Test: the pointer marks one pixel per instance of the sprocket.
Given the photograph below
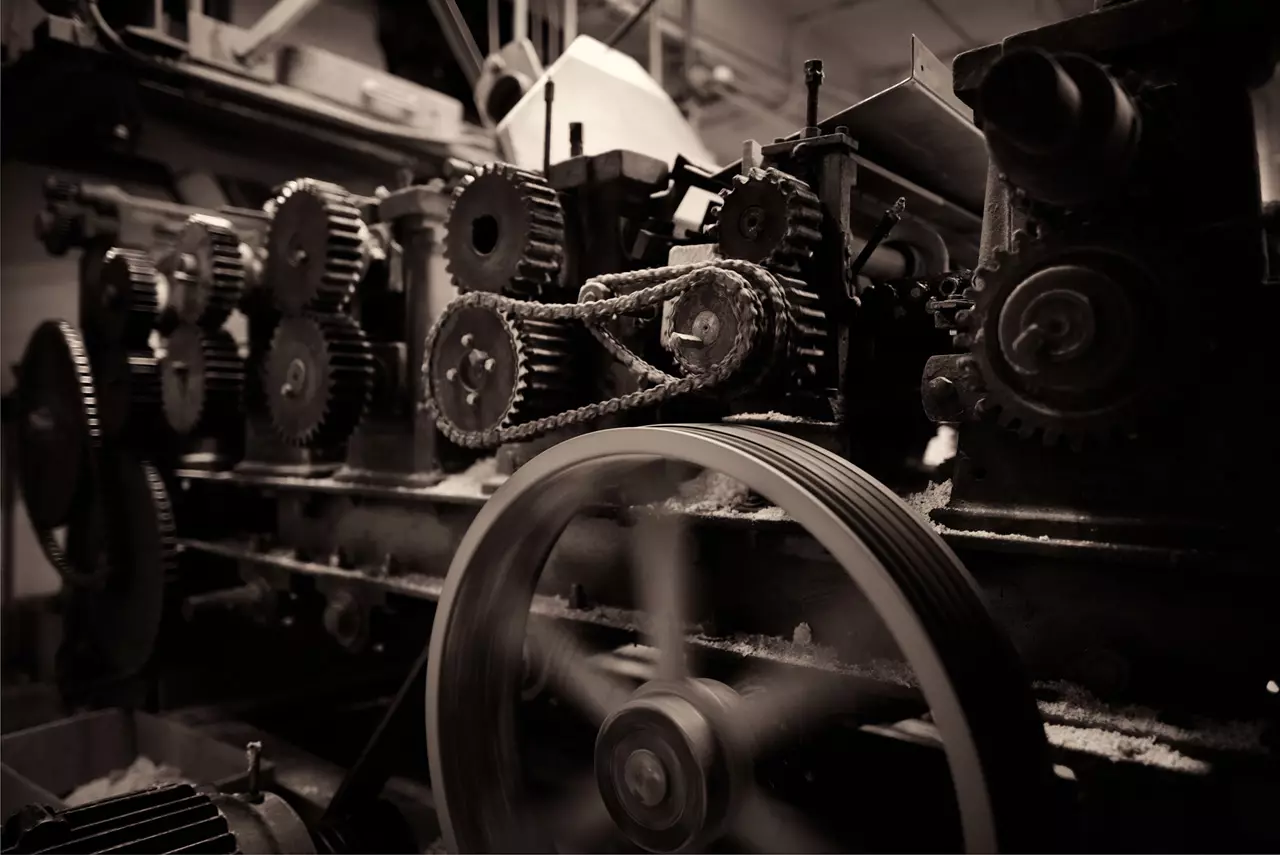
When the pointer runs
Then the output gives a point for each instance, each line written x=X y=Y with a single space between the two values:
x=488 y=369
x=202 y=379
x=1074 y=337
x=769 y=218
x=120 y=301
x=315 y=247
x=319 y=377
x=506 y=232
x=205 y=271
x=59 y=430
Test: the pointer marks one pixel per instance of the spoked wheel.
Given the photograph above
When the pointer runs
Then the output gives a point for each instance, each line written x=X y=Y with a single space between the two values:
x=674 y=759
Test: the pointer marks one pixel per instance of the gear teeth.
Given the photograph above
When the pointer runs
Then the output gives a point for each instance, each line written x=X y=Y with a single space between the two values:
x=494 y=191
x=791 y=199
x=344 y=254
x=535 y=377
x=211 y=246
x=216 y=400
x=810 y=332
x=334 y=350
x=55 y=344
x=544 y=377
x=127 y=304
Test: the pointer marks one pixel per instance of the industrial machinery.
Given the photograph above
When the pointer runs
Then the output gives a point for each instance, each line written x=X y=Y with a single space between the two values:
x=718 y=572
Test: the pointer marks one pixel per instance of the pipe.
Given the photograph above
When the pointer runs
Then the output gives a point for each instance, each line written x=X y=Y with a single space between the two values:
x=520 y=20
x=655 y=43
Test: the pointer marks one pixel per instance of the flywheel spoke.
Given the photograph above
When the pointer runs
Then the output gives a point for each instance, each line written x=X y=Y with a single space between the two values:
x=789 y=702
x=660 y=573
x=579 y=820
x=766 y=825
x=555 y=649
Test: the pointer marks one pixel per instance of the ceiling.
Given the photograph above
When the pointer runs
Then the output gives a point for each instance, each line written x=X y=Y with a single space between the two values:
x=864 y=44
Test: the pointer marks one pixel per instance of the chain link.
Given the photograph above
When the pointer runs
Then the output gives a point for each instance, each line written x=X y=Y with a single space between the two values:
x=746 y=285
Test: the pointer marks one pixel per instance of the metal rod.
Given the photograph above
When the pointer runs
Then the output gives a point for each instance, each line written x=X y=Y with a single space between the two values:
x=655 y=43
x=548 y=96
x=519 y=20
x=554 y=45
x=458 y=34
x=495 y=19
x=813 y=82
x=570 y=21
x=575 y=139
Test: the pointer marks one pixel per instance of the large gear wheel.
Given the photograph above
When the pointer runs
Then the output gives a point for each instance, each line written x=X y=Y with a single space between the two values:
x=58 y=424
x=206 y=272
x=131 y=393
x=489 y=370
x=769 y=218
x=124 y=550
x=1073 y=337
x=120 y=300
x=318 y=376
x=506 y=233
x=202 y=379
x=315 y=247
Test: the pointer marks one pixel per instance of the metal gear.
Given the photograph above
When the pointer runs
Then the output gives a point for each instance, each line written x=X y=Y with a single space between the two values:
x=319 y=376
x=489 y=369
x=202 y=379
x=58 y=423
x=206 y=272
x=315 y=252
x=124 y=551
x=770 y=218
x=1072 y=337
x=506 y=232
x=120 y=300
x=810 y=339
x=131 y=393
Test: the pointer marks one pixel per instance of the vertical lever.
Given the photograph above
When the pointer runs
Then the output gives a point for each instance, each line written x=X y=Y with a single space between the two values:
x=549 y=96
x=813 y=82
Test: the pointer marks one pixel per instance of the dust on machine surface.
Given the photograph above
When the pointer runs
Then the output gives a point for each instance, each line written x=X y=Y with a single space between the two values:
x=916 y=498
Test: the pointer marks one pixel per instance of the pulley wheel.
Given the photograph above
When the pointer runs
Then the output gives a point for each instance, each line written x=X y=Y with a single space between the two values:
x=674 y=760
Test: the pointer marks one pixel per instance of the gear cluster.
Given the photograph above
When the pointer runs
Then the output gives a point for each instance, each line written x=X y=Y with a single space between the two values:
x=506 y=233
x=769 y=218
x=317 y=368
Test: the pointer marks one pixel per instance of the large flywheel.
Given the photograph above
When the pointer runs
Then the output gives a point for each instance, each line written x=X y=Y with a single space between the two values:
x=675 y=761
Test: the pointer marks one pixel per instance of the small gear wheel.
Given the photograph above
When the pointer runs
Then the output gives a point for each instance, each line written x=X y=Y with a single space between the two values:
x=131 y=393
x=58 y=423
x=315 y=252
x=201 y=378
x=318 y=376
x=206 y=272
x=1073 y=337
x=120 y=299
x=506 y=233
x=769 y=218
x=488 y=370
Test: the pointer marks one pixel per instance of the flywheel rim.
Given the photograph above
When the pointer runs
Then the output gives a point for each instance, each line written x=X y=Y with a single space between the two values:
x=997 y=752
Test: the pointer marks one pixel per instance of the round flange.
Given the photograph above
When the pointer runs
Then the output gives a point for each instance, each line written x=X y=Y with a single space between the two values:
x=58 y=422
x=667 y=767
